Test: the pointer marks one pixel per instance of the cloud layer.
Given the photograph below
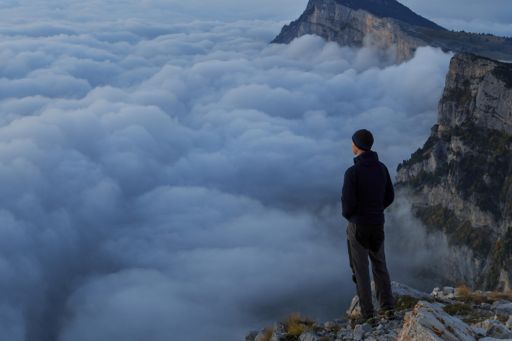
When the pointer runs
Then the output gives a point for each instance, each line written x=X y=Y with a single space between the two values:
x=181 y=180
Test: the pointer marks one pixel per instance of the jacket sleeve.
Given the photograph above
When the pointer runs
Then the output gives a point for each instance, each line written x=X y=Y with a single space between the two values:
x=389 y=194
x=348 y=194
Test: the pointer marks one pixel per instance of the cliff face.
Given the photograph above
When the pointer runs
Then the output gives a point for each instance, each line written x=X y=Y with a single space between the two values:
x=337 y=22
x=388 y=25
x=460 y=181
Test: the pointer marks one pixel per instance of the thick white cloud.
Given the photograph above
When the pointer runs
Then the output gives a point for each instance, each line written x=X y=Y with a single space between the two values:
x=181 y=179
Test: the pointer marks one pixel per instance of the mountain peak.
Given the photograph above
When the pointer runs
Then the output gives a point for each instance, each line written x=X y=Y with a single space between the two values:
x=390 y=9
x=389 y=26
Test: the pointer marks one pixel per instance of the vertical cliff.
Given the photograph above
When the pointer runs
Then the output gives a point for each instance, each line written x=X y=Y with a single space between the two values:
x=460 y=181
x=351 y=23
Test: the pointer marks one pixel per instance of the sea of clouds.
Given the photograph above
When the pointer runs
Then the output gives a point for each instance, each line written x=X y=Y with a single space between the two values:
x=164 y=177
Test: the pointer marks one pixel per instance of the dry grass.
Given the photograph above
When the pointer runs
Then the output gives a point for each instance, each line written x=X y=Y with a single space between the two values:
x=497 y=295
x=463 y=292
x=297 y=324
x=268 y=331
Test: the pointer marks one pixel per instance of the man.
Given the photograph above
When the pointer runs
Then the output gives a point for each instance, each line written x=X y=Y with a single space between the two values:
x=367 y=191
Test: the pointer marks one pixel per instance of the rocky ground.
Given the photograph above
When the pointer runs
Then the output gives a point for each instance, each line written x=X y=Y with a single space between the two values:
x=445 y=314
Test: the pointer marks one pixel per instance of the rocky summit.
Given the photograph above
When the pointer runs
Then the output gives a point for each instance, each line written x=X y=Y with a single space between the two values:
x=460 y=181
x=390 y=26
x=448 y=313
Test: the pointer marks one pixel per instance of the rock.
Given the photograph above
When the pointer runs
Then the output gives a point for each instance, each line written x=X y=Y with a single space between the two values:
x=436 y=292
x=277 y=337
x=428 y=321
x=503 y=308
x=360 y=330
x=329 y=325
x=444 y=294
x=508 y=324
x=485 y=305
x=251 y=336
x=278 y=332
x=494 y=328
x=400 y=289
x=308 y=336
x=344 y=333
x=479 y=331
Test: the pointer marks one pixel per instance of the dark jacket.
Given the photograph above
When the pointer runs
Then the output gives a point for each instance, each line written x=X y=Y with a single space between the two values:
x=367 y=190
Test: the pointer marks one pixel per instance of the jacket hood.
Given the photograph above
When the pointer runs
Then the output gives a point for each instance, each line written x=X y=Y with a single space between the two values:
x=367 y=157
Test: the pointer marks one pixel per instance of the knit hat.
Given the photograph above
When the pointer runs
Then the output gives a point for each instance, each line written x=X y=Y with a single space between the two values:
x=363 y=139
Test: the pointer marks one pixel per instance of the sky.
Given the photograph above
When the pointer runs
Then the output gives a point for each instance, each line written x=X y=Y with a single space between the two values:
x=470 y=15
x=167 y=174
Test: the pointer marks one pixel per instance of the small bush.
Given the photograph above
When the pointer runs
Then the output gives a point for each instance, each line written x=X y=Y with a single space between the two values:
x=463 y=290
x=458 y=309
x=466 y=294
x=405 y=302
x=497 y=295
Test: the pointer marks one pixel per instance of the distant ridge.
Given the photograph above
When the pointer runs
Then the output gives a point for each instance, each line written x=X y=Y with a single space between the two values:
x=390 y=26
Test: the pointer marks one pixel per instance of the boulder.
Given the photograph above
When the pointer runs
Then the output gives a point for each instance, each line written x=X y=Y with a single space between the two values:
x=494 y=328
x=360 y=330
x=503 y=307
x=309 y=336
x=429 y=322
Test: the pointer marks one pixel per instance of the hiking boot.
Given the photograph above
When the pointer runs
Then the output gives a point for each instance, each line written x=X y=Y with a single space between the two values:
x=372 y=320
x=387 y=313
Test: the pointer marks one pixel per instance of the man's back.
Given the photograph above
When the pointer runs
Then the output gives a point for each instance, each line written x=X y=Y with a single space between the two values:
x=367 y=190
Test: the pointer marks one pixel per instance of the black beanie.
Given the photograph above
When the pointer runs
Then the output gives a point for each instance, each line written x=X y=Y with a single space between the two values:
x=363 y=139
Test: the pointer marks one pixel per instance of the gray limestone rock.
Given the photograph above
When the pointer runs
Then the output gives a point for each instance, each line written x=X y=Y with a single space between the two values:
x=429 y=322
x=453 y=180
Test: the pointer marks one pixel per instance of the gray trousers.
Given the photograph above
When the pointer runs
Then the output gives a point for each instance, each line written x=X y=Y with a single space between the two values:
x=358 y=257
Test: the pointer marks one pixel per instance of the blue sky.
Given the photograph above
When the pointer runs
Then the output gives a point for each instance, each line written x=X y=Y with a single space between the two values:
x=166 y=173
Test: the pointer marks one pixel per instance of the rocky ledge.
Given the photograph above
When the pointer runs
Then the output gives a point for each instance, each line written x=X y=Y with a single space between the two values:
x=444 y=314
